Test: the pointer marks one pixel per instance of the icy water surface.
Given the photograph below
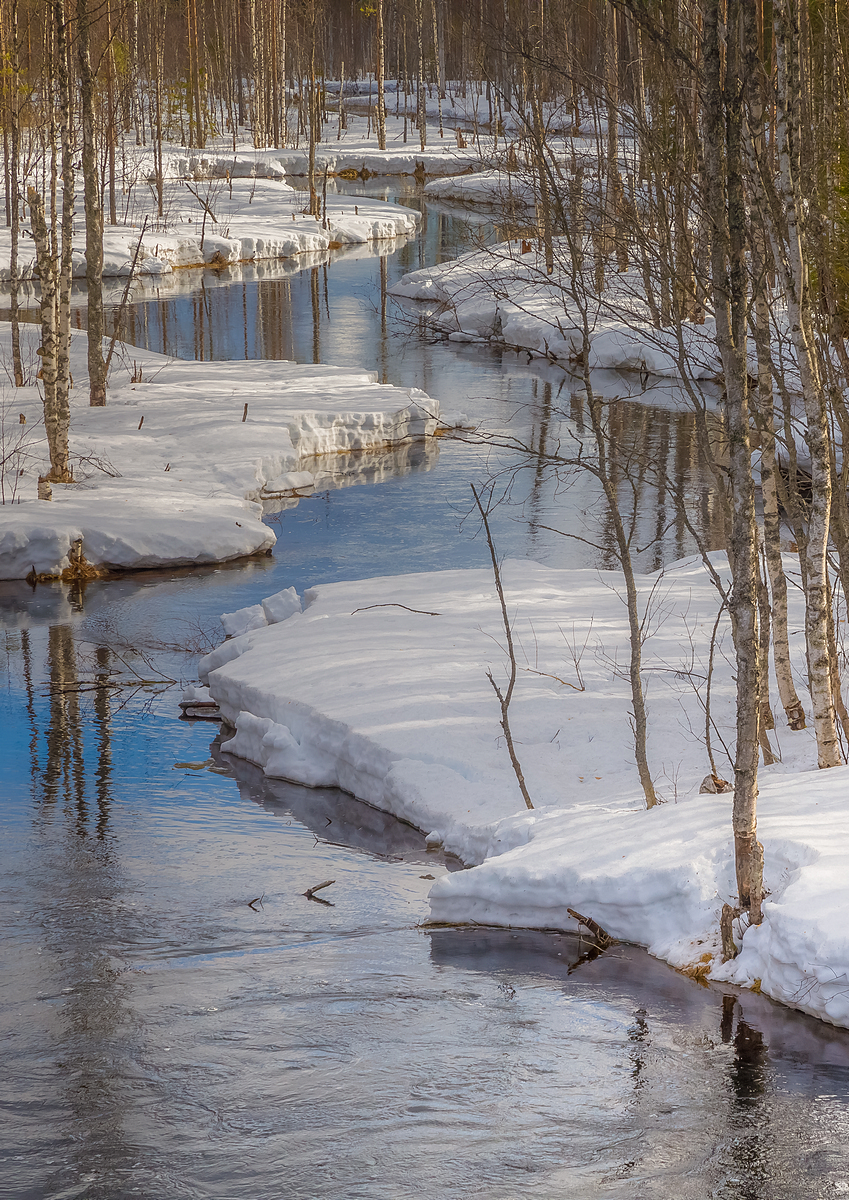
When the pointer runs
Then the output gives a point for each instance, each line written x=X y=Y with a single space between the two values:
x=180 y=1020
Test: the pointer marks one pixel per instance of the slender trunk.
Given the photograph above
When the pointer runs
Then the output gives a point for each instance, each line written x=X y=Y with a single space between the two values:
x=439 y=82
x=313 y=131
x=111 y=134
x=15 y=167
x=765 y=405
x=544 y=204
x=794 y=273
x=421 y=115
x=93 y=212
x=63 y=80
x=381 y=59
x=722 y=102
x=56 y=413
x=640 y=718
x=613 y=184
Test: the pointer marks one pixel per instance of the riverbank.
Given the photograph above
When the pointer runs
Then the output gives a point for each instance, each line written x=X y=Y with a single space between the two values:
x=176 y=468
x=505 y=295
x=230 y=203
x=219 y=224
x=380 y=687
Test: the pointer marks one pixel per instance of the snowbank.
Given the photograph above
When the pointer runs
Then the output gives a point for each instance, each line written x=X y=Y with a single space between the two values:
x=380 y=687
x=224 y=205
x=253 y=221
x=503 y=295
x=177 y=467
x=484 y=187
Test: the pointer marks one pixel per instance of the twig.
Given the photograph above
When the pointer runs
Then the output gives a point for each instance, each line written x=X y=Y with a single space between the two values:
x=202 y=202
x=547 y=675
x=116 y=325
x=392 y=604
x=503 y=699
x=310 y=893
x=256 y=900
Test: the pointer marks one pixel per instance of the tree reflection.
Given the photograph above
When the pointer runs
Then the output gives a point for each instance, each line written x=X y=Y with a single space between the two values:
x=66 y=770
x=749 y=1154
x=79 y=916
x=639 y=1039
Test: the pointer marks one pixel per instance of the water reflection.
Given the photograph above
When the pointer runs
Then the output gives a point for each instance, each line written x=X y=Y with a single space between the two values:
x=69 y=750
x=333 y=816
x=355 y=468
x=164 y=1038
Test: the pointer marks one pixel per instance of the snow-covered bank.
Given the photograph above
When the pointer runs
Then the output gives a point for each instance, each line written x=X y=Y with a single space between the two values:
x=176 y=468
x=224 y=204
x=252 y=220
x=494 y=188
x=380 y=687
x=503 y=294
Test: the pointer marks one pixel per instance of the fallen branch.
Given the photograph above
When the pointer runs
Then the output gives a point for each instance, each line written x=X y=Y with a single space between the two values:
x=602 y=937
x=256 y=900
x=310 y=893
x=392 y=604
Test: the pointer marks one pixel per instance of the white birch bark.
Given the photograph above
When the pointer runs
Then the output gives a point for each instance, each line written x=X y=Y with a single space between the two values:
x=793 y=270
x=724 y=201
x=57 y=417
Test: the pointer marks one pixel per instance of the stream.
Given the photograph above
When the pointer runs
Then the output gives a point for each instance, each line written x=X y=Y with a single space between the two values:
x=181 y=1020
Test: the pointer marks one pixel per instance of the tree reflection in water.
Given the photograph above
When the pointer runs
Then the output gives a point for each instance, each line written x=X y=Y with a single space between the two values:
x=77 y=1076
x=59 y=737
x=750 y=1163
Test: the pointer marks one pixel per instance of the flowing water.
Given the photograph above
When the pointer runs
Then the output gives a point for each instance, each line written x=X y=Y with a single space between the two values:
x=181 y=1020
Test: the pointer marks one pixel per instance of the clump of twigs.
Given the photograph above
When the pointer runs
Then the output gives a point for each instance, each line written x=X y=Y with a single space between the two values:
x=78 y=570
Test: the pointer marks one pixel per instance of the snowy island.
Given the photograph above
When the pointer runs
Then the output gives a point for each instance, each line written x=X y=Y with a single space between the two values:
x=380 y=688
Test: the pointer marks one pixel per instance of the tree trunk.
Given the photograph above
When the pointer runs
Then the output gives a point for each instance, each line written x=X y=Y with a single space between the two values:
x=63 y=80
x=722 y=115
x=57 y=417
x=794 y=272
x=15 y=167
x=381 y=63
x=93 y=212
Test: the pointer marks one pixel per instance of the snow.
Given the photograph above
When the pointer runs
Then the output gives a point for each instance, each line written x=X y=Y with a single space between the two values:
x=502 y=294
x=170 y=473
x=483 y=187
x=256 y=220
x=224 y=205
x=379 y=687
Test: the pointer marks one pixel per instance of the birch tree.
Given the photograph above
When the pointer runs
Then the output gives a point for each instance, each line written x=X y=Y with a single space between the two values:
x=722 y=103
x=93 y=210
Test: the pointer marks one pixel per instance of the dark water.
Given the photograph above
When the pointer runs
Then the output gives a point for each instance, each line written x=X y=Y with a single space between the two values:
x=179 y=1020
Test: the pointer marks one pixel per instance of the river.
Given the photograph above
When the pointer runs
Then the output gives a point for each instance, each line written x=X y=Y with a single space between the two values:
x=181 y=1020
